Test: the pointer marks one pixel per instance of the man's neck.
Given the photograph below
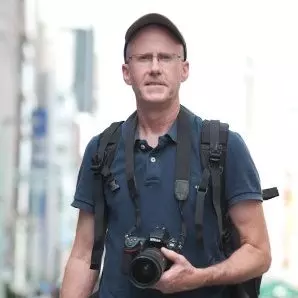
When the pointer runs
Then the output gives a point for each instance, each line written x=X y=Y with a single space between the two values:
x=156 y=121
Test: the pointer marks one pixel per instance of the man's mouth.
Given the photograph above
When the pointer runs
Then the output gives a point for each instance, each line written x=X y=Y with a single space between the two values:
x=155 y=84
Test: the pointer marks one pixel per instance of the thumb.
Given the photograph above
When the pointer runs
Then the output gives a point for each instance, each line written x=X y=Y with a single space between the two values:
x=171 y=255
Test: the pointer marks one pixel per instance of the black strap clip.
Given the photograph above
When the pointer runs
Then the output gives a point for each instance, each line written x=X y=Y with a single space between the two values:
x=113 y=185
x=215 y=154
x=100 y=168
x=109 y=178
x=96 y=166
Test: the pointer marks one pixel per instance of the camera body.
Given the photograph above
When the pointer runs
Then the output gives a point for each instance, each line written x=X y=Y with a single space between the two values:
x=143 y=260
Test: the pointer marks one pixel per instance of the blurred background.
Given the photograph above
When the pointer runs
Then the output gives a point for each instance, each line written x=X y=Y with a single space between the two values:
x=61 y=83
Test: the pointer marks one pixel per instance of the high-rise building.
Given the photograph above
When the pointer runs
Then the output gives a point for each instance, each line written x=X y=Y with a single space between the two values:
x=11 y=39
x=84 y=67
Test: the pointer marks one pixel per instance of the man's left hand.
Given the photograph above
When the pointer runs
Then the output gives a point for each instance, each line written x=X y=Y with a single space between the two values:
x=180 y=277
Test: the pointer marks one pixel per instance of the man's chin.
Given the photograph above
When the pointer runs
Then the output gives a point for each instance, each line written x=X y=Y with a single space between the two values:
x=155 y=99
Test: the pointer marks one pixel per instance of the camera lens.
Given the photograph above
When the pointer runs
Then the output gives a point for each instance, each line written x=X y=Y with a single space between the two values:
x=147 y=268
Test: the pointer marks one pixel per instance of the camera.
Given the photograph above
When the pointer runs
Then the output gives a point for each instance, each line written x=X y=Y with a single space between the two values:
x=143 y=262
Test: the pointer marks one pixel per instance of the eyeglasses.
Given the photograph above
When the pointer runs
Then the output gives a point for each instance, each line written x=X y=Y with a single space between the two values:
x=162 y=58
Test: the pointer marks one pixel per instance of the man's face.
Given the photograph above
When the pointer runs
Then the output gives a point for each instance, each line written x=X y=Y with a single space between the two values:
x=155 y=67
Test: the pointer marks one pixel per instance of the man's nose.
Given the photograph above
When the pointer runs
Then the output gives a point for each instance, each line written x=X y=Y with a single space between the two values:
x=155 y=65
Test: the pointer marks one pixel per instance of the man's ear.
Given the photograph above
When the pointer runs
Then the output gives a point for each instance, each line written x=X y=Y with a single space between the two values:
x=126 y=74
x=185 y=71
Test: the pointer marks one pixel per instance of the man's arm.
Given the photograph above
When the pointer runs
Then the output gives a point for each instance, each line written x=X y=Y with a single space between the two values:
x=253 y=258
x=244 y=198
x=79 y=280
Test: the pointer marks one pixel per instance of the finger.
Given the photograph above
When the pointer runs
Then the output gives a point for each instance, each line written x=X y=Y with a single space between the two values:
x=171 y=255
x=161 y=284
x=158 y=284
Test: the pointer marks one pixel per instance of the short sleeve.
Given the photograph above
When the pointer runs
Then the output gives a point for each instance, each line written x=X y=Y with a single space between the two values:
x=242 y=178
x=83 y=198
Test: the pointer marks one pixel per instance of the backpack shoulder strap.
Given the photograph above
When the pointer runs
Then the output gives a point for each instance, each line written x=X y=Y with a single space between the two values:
x=101 y=168
x=213 y=146
x=103 y=140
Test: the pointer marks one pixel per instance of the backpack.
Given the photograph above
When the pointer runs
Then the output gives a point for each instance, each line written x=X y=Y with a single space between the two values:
x=213 y=147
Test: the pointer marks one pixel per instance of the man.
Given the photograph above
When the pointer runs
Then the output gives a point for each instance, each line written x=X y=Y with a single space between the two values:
x=155 y=66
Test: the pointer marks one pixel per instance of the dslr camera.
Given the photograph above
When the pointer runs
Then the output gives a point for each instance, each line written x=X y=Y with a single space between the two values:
x=143 y=261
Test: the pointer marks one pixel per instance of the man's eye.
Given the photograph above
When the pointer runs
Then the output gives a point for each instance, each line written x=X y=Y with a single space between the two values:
x=165 y=57
x=145 y=58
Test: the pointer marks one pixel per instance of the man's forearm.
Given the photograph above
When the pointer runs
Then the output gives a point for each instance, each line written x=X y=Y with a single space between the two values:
x=79 y=280
x=245 y=263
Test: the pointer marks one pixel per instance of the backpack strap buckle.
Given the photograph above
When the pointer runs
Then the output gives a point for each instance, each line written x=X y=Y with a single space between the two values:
x=96 y=166
x=215 y=156
x=215 y=153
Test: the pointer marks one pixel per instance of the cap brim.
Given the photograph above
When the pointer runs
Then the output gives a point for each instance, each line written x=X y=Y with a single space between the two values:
x=154 y=19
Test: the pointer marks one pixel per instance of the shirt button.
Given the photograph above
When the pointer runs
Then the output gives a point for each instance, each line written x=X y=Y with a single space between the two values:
x=143 y=146
x=153 y=159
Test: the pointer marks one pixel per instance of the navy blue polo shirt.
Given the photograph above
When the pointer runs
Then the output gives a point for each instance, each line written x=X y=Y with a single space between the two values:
x=155 y=175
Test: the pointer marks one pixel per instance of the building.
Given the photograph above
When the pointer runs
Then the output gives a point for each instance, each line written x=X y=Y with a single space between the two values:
x=11 y=40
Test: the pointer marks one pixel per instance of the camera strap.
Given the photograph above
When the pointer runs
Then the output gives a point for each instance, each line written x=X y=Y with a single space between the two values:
x=130 y=168
x=182 y=171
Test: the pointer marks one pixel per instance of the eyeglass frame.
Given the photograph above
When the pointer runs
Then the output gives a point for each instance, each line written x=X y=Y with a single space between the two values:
x=151 y=56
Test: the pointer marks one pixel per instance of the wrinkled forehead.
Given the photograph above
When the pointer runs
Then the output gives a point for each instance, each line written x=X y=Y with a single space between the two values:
x=154 y=38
